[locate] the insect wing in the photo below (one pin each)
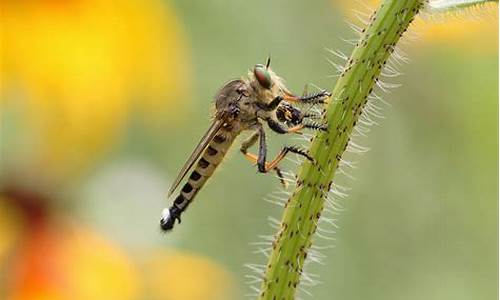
(202, 145)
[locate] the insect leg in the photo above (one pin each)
(268, 166)
(278, 128)
(313, 116)
(271, 105)
(315, 98)
(249, 142)
(261, 160)
(285, 151)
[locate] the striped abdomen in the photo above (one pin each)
(208, 162)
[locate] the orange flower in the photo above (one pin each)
(53, 258)
(73, 263)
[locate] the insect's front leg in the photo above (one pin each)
(315, 98)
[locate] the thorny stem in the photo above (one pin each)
(350, 94)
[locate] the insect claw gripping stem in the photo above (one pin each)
(352, 89)
(281, 177)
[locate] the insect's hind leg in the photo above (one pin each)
(249, 142)
(282, 154)
(273, 165)
(260, 159)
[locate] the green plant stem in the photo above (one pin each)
(350, 94)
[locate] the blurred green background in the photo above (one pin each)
(101, 103)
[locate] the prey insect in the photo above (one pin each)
(244, 105)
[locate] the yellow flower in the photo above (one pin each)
(97, 269)
(74, 71)
(181, 276)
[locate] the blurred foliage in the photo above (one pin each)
(102, 101)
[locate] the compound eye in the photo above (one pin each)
(262, 75)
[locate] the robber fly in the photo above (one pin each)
(243, 105)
